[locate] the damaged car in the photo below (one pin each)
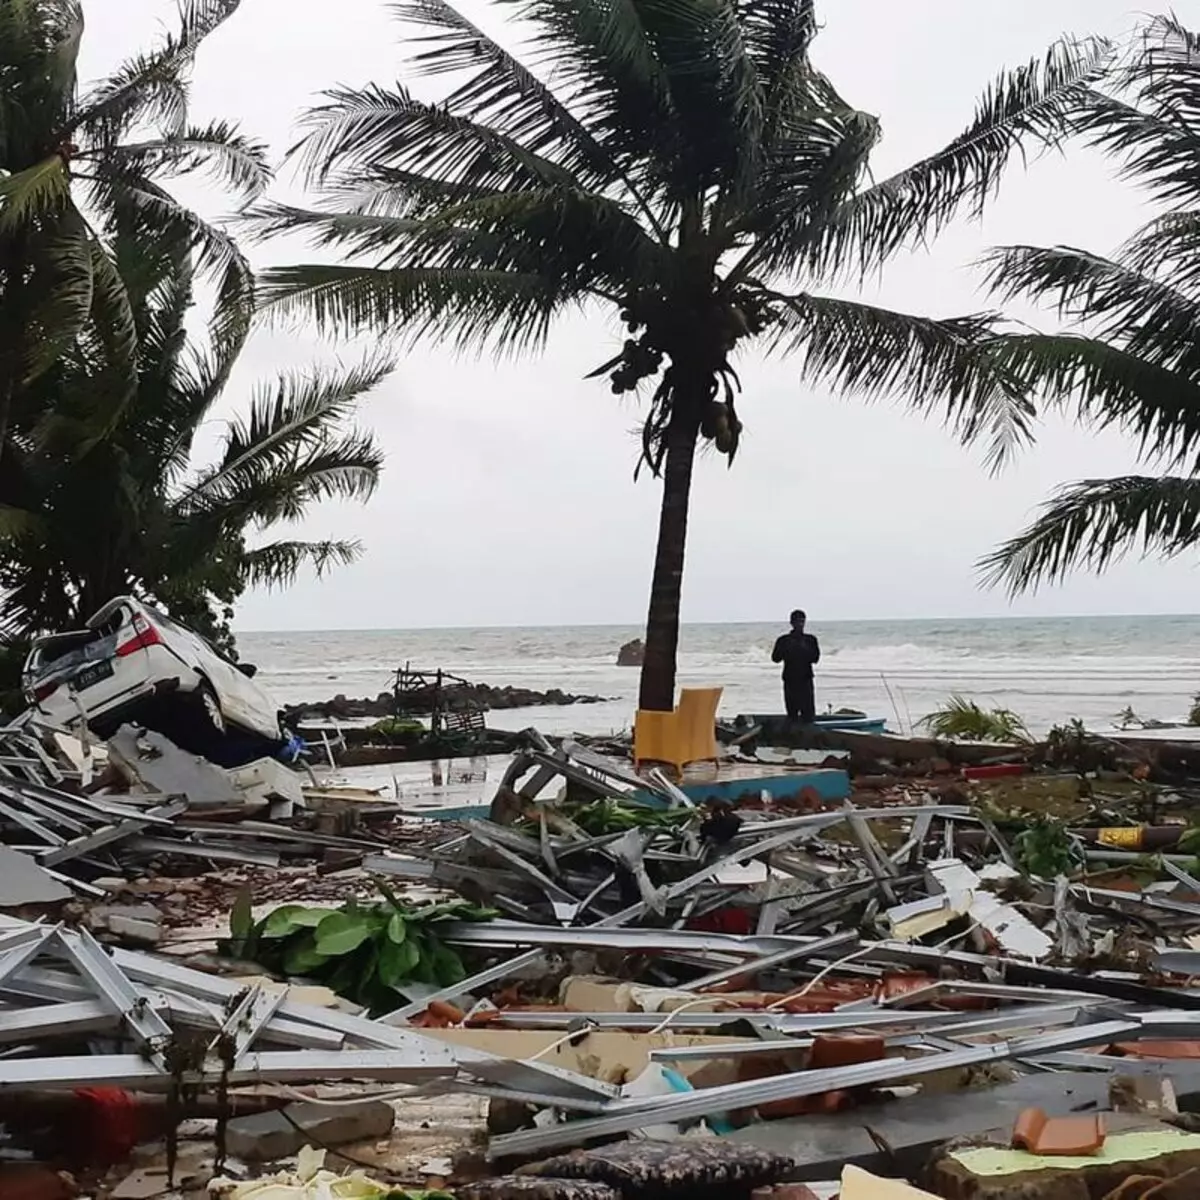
(134, 664)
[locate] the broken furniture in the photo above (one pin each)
(685, 735)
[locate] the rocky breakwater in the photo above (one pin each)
(421, 703)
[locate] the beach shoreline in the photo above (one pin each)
(1048, 671)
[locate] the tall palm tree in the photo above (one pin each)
(1129, 356)
(135, 512)
(77, 165)
(683, 163)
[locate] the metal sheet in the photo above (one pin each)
(636, 1113)
(288, 1066)
(468, 987)
(831, 944)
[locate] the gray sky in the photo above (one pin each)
(508, 496)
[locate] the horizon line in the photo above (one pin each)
(627, 625)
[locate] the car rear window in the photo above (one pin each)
(64, 650)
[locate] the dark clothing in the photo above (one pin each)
(799, 700)
(799, 653)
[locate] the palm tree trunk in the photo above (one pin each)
(662, 625)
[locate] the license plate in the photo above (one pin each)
(92, 675)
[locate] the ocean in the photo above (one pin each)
(1045, 670)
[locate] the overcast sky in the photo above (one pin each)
(508, 496)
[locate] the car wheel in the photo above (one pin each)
(210, 709)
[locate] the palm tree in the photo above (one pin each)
(78, 165)
(1130, 354)
(134, 512)
(687, 166)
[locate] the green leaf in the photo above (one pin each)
(303, 958)
(291, 917)
(446, 965)
(396, 961)
(422, 969)
(397, 929)
(340, 933)
(38, 193)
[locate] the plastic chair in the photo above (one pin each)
(686, 735)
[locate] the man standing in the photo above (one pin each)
(799, 652)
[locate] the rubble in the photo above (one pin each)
(757, 965)
(270, 1136)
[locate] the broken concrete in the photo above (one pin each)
(139, 923)
(153, 762)
(267, 781)
(265, 1137)
(1150, 1151)
(821, 1145)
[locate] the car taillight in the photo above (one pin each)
(144, 634)
(43, 690)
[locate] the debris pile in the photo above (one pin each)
(72, 814)
(729, 986)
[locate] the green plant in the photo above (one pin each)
(1125, 355)
(685, 166)
(398, 727)
(599, 817)
(1070, 747)
(964, 719)
(136, 511)
(361, 951)
(1194, 711)
(1127, 718)
(1045, 849)
(80, 163)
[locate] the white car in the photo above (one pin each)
(133, 663)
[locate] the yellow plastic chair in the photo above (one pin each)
(686, 735)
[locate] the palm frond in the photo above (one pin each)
(1108, 386)
(389, 128)
(137, 202)
(1168, 247)
(502, 92)
(811, 168)
(1032, 105)
(560, 234)
(509, 311)
(18, 525)
(59, 295)
(601, 55)
(941, 366)
(277, 564)
(298, 415)
(111, 338)
(258, 494)
(152, 87)
(1135, 311)
(229, 157)
(38, 193)
(779, 34)
(385, 192)
(1096, 522)
(1158, 149)
(63, 60)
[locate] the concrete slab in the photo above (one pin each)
(265, 1137)
(23, 882)
(820, 1145)
(157, 764)
(1148, 1150)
